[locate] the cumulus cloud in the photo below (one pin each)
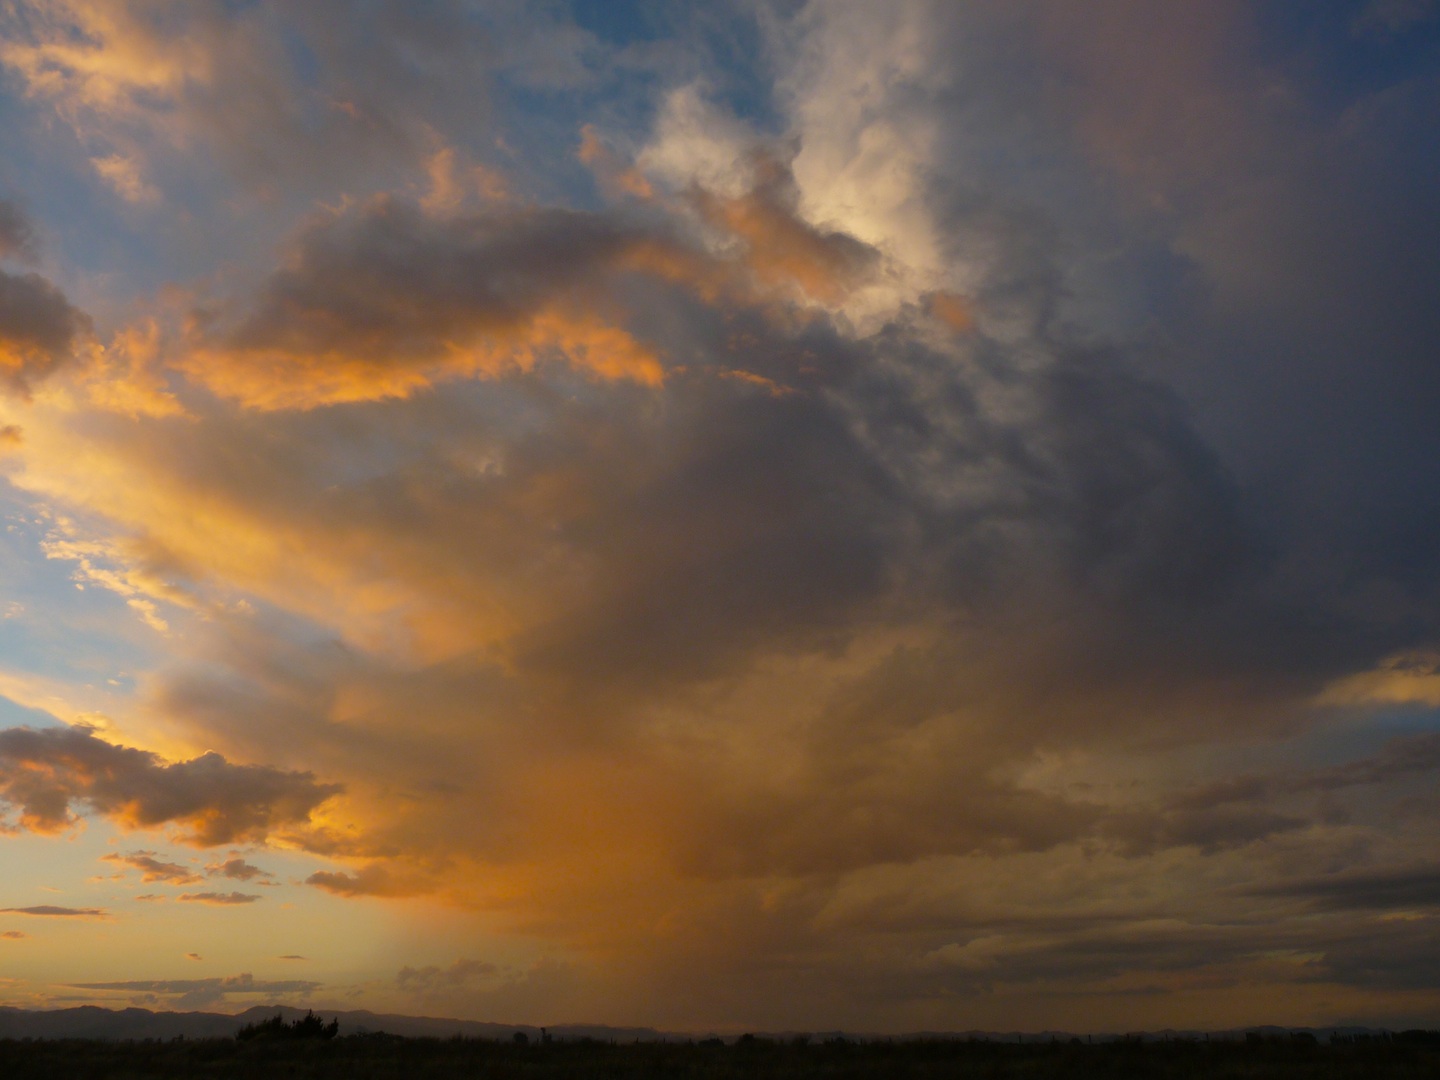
(43, 772)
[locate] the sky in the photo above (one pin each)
(756, 515)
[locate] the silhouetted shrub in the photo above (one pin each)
(308, 1026)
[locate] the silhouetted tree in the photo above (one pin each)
(308, 1026)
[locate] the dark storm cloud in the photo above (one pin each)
(1048, 510)
(42, 772)
(1370, 890)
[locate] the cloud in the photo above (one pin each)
(42, 772)
(383, 301)
(123, 174)
(50, 910)
(369, 881)
(13, 935)
(431, 977)
(17, 233)
(39, 329)
(237, 869)
(153, 870)
(1364, 890)
(190, 993)
(219, 899)
(942, 553)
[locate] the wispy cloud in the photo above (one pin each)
(153, 869)
(221, 899)
(189, 993)
(52, 910)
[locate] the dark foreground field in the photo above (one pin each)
(361, 1057)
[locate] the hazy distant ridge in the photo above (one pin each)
(92, 1022)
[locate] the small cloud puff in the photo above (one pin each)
(238, 869)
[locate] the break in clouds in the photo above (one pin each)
(951, 539)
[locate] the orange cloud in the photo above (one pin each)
(388, 300)
(783, 249)
(374, 880)
(153, 869)
(953, 311)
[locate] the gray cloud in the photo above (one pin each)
(17, 234)
(431, 977)
(58, 912)
(1368, 890)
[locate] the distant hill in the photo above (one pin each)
(92, 1022)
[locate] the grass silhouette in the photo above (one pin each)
(304, 1049)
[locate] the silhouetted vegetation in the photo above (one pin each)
(1403, 1056)
(308, 1026)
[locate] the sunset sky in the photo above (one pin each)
(744, 515)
